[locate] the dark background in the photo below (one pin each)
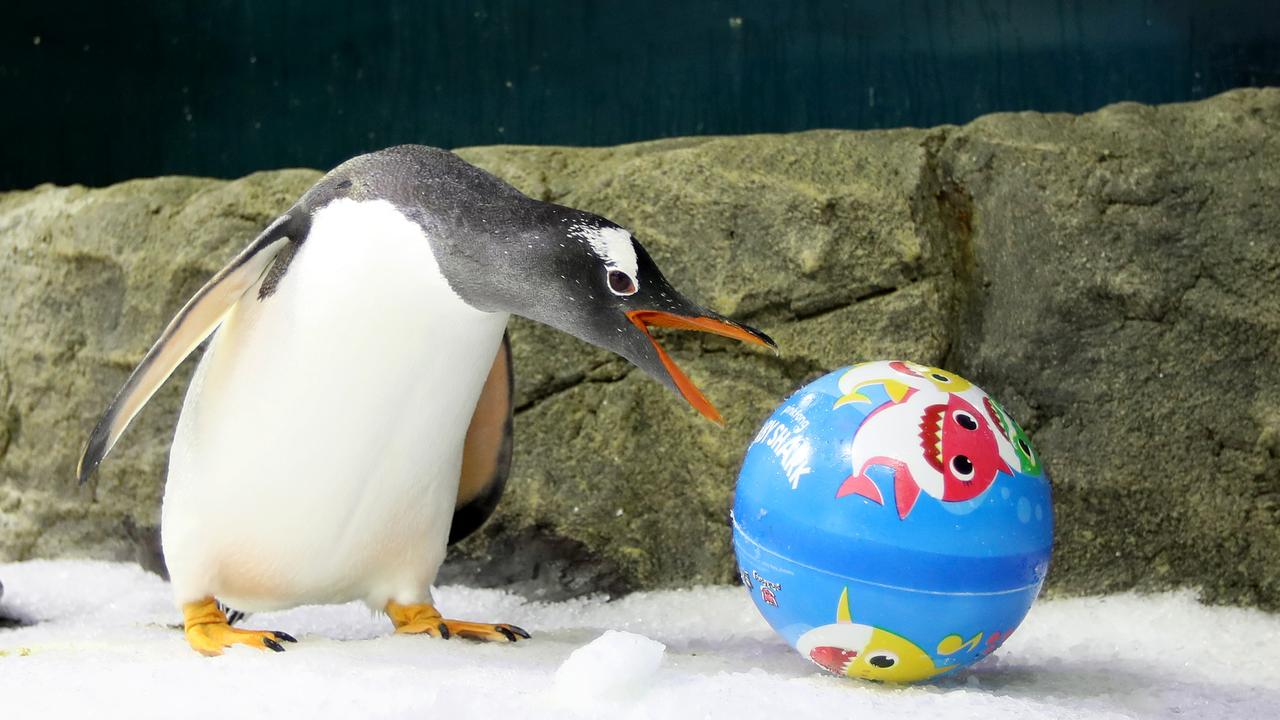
(97, 92)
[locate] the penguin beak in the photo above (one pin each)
(709, 323)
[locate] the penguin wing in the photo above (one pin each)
(486, 454)
(195, 322)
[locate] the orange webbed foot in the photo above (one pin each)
(424, 619)
(209, 633)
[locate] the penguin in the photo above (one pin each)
(486, 454)
(350, 406)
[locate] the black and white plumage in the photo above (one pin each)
(318, 454)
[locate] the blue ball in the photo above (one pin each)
(892, 522)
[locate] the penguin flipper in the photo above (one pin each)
(486, 454)
(193, 323)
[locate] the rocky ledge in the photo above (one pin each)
(1113, 277)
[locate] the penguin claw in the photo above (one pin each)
(485, 632)
(514, 630)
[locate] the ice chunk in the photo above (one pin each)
(616, 664)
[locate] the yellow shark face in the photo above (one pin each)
(902, 378)
(892, 658)
(945, 381)
(863, 651)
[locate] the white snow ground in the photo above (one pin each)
(103, 648)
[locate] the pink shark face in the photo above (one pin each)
(958, 442)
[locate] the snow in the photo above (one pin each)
(103, 646)
(617, 664)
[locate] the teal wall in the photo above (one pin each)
(97, 92)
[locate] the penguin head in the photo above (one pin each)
(502, 251)
(590, 277)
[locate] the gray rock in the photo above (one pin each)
(1110, 277)
(88, 278)
(1123, 295)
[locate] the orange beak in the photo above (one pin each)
(645, 319)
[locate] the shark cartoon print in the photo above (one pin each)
(862, 651)
(1023, 454)
(952, 456)
(904, 379)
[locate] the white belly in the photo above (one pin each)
(317, 456)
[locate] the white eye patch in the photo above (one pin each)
(612, 245)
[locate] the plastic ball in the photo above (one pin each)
(892, 522)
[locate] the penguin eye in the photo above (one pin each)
(965, 420)
(621, 283)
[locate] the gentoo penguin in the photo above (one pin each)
(318, 453)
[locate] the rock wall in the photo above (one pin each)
(1113, 278)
